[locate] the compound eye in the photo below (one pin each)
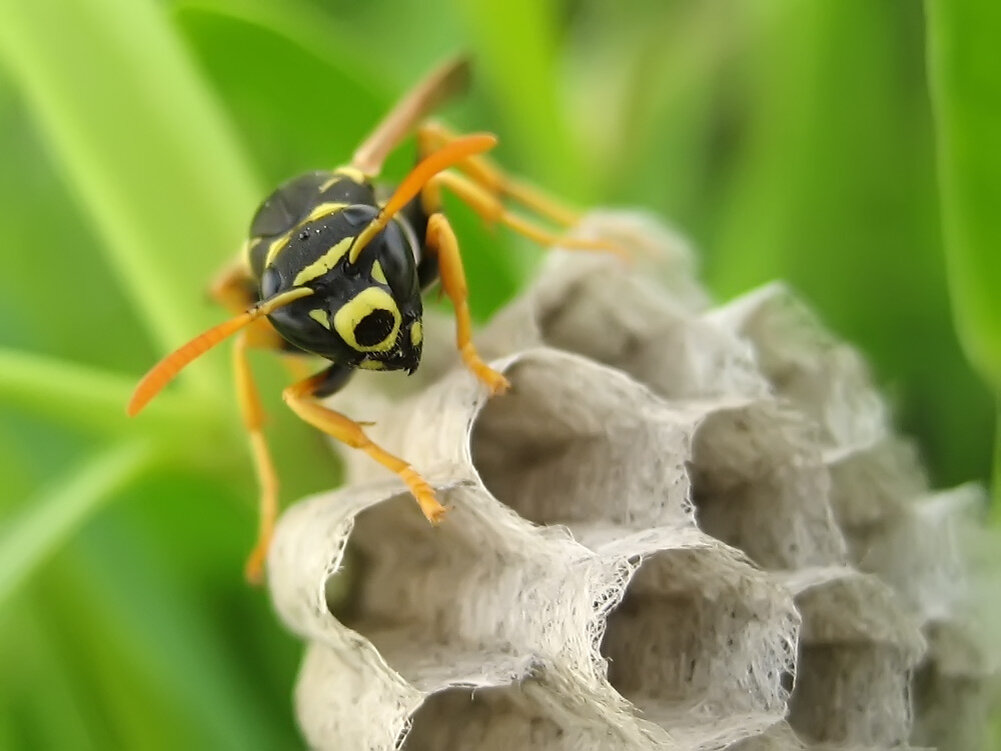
(369, 321)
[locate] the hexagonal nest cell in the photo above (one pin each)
(654, 540)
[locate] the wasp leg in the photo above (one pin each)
(301, 398)
(267, 477)
(233, 288)
(491, 210)
(485, 173)
(441, 242)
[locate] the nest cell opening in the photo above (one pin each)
(568, 444)
(490, 719)
(696, 641)
(382, 598)
(759, 485)
(852, 694)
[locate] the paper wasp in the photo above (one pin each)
(332, 269)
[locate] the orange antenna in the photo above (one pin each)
(447, 156)
(164, 371)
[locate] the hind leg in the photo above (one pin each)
(487, 175)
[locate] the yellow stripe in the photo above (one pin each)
(355, 175)
(416, 334)
(276, 247)
(378, 274)
(323, 264)
(372, 365)
(319, 212)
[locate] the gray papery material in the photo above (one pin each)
(684, 528)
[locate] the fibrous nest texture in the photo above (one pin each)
(685, 527)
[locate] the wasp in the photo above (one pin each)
(333, 269)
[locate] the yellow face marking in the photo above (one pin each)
(378, 274)
(416, 334)
(372, 365)
(354, 311)
(323, 264)
(320, 316)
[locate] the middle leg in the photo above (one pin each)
(441, 242)
(485, 173)
(490, 209)
(267, 477)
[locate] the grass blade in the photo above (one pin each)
(167, 186)
(83, 397)
(47, 521)
(527, 85)
(966, 99)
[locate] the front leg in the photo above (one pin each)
(440, 242)
(302, 398)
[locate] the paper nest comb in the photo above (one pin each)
(685, 527)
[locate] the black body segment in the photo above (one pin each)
(335, 378)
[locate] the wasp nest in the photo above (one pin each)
(684, 527)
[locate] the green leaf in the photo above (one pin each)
(149, 631)
(144, 146)
(45, 522)
(297, 108)
(833, 189)
(31, 702)
(965, 84)
(516, 46)
(52, 254)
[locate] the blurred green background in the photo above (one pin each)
(788, 139)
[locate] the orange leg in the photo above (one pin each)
(441, 242)
(233, 288)
(300, 398)
(267, 478)
(489, 176)
(491, 210)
